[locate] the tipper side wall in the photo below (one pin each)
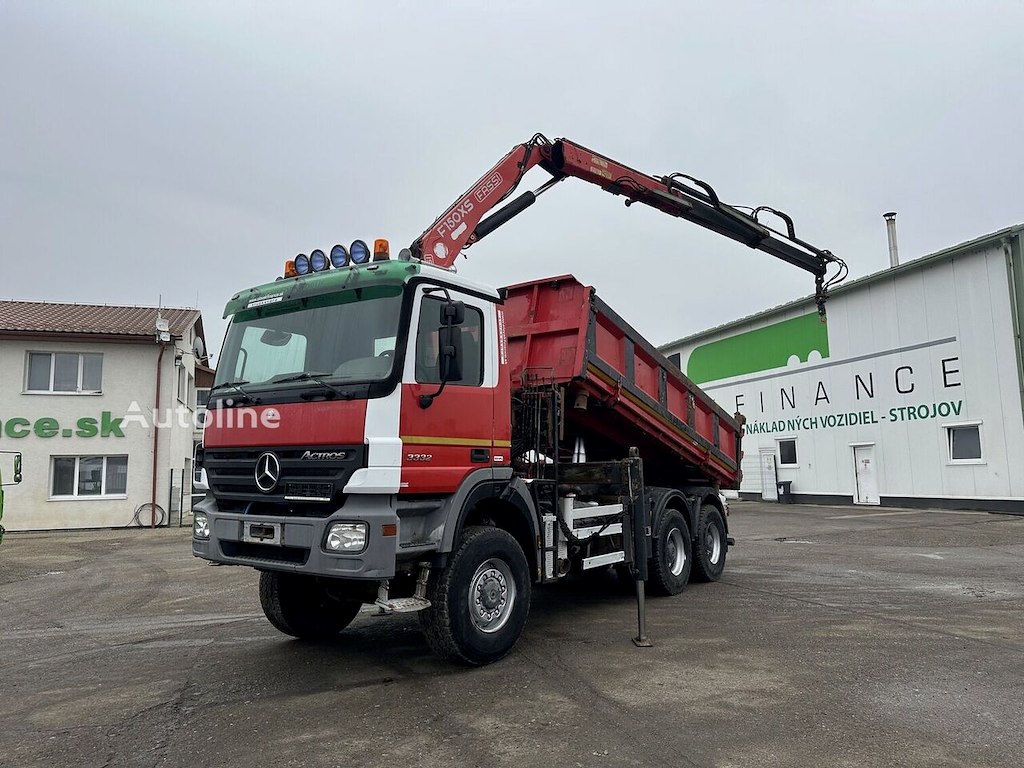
(621, 391)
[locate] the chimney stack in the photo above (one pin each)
(890, 226)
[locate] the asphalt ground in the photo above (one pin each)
(838, 636)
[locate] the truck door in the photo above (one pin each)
(444, 442)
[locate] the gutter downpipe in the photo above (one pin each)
(156, 435)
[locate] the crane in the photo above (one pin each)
(468, 220)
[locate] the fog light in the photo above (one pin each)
(347, 537)
(200, 526)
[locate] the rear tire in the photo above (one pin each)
(671, 561)
(709, 546)
(480, 601)
(301, 606)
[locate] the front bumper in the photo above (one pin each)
(301, 549)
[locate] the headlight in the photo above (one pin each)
(347, 537)
(200, 526)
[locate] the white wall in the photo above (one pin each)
(129, 375)
(956, 310)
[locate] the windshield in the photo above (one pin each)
(343, 337)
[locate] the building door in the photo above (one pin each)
(864, 471)
(769, 477)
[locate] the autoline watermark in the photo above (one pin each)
(107, 425)
(222, 418)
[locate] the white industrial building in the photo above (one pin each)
(910, 394)
(100, 401)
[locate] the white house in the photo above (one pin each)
(100, 401)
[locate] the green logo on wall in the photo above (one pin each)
(759, 350)
(105, 426)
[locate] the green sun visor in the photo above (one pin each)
(286, 290)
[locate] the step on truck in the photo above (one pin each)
(385, 435)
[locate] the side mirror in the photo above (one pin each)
(453, 313)
(449, 362)
(17, 468)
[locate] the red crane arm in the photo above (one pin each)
(675, 194)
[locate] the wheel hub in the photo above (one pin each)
(712, 542)
(675, 552)
(492, 595)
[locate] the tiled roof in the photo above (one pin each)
(46, 317)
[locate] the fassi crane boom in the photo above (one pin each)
(676, 194)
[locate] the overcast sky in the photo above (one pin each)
(186, 150)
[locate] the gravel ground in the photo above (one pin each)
(838, 636)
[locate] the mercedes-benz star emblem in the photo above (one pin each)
(268, 472)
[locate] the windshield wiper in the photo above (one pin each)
(315, 378)
(237, 386)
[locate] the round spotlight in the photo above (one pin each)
(360, 252)
(339, 256)
(302, 264)
(318, 261)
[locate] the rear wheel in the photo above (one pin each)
(480, 601)
(670, 563)
(302, 607)
(710, 546)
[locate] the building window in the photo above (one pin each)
(185, 387)
(787, 452)
(88, 476)
(202, 400)
(964, 443)
(64, 372)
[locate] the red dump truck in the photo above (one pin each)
(385, 435)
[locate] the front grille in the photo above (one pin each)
(231, 473)
(266, 553)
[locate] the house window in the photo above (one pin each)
(88, 476)
(202, 400)
(64, 372)
(787, 452)
(964, 443)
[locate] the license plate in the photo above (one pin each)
(261, 533)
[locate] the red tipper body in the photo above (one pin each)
(621, 391)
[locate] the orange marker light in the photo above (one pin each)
(289, 268)
(389, 529)
(381, 250)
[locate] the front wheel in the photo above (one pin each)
(480, 601)
(710, 545)
(302, 607)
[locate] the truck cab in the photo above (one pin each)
(335, 413)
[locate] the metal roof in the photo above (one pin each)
(909, 266)
(44, 317)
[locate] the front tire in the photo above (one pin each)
(709, 548)
(671, 561)
(480, 601)
(301, 606)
